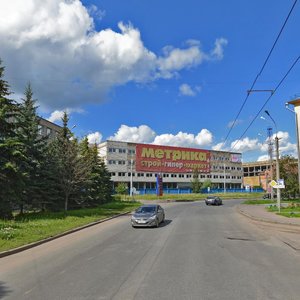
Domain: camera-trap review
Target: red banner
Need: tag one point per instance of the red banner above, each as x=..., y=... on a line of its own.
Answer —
x=154, y=158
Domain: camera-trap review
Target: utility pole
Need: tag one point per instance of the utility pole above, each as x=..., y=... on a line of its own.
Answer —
x=277, y=161
x=224, y=179
x=131, y=183
x=277, y=172
x=270, y=150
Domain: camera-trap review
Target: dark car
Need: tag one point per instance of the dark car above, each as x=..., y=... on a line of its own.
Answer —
x=213, y=200
x=268, y=196
x=150, y=215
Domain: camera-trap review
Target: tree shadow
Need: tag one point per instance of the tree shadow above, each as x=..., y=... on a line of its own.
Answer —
x=4, y=290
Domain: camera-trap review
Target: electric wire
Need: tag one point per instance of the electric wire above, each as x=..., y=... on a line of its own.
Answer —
x=268, y=99
x=260, y=72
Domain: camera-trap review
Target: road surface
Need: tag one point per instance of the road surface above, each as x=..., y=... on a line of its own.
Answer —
x=201, y=252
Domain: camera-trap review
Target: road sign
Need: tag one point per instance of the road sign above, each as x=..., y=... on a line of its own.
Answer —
x=277, y=185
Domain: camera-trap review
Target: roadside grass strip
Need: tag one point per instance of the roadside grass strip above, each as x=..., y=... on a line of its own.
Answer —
x=292, y=211
x=33, y=227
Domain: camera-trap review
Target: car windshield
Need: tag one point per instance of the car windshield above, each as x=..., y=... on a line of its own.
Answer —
x=146, y=209
x=211, y=197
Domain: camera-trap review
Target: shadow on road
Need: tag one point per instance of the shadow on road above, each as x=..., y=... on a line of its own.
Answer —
x=165, y=223
x=4, y=290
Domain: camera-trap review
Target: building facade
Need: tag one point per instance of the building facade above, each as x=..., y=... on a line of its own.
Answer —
x=142, y=163
x=47, y=128
x=258, y=174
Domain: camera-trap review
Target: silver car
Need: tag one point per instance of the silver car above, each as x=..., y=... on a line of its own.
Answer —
x=150, y=215
x=213, y=200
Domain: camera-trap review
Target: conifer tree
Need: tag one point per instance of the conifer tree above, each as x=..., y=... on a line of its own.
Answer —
x=10, y=151
x=33, y=148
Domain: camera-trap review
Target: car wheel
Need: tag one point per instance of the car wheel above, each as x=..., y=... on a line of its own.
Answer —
x=163, y=219
x=156, y=223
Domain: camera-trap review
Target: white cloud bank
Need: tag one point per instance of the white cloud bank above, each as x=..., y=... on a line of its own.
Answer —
x=94, y=138
x=54, y=44
x=144, y=134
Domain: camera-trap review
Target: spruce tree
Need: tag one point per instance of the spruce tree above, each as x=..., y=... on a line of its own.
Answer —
x=33, y=149
x=10, y=151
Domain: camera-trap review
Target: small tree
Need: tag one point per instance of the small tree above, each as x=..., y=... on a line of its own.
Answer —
x=122, y=189
x=196, y=184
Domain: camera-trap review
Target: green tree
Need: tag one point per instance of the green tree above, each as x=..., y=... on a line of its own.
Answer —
x=206, y=184
x=73, y=171
x=288, y=167
x=196, y=184
x=122, y=189
x=10, y=151
x=33, y=149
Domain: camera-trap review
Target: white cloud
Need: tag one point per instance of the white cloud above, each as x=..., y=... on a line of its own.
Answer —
x=246, y=144
x=183, y=139
x=144, y=134
x=218, y=51
x=54, y=45
x=234, y=123
x=187, y=90
x=95, y=138
x=57, y=115
x=141, y=134
x=264, y=157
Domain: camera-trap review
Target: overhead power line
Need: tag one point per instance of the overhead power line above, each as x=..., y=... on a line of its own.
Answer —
x=260, y=72
x=268, y=99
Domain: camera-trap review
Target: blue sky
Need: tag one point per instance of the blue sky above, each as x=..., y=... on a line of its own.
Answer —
x=164, y=72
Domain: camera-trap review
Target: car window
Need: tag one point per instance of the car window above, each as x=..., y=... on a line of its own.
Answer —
x=146, y=209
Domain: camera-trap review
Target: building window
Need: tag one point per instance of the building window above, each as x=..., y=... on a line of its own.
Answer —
x=112, y=162
x=221, y=176
x=121, y=174
x=121, y=162
x=216, y=176
x=140, y=174
x=208, y=176
x=113, y=174
x=188, y=176
x=202, y=176
x=148, y=174
x=227, y=177
x=48, y=131
x=122, y=150
x=173, y=175
x=181, y=175
x=129, y=174
x=111, y=150
x=131, y=151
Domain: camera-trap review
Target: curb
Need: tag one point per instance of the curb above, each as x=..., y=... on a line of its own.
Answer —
x=35, y=244
x=239, y=209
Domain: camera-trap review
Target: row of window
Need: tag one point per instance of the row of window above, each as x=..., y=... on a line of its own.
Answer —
x=216, y=167
x=121, y=150
x=123, y=174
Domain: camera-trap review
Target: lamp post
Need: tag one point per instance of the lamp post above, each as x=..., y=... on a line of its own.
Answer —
x=131, y=183
x=277, y=161
x=296, y=111
x=224, y=179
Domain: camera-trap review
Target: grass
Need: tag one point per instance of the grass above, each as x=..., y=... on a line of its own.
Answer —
x=255, y=202
x=195, y=197
x=33, y=227
x=291, y=211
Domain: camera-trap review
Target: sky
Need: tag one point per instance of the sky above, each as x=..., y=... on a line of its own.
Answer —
x=165, y=72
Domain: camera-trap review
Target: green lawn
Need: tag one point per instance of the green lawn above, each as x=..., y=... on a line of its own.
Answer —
x=33, y=227
x=292, y=211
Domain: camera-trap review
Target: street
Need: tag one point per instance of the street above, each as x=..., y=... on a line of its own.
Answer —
x=200, y=252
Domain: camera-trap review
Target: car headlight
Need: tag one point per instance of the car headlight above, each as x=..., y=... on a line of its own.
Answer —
x=152, y=217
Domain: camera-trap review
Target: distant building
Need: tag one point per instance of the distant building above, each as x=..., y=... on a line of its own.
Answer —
x=47, y=128
x=257, y=174
x=175, y=165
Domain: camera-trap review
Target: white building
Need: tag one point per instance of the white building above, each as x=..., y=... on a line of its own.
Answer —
x=175, y=164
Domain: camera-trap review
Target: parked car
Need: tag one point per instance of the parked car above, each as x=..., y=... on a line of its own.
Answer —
x=150, y=215
x=268, y=196
x=213, y=200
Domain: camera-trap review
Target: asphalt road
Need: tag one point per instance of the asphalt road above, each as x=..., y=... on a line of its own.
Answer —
x=199, y=253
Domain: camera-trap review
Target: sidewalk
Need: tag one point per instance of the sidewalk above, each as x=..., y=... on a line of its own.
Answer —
x=259, y=213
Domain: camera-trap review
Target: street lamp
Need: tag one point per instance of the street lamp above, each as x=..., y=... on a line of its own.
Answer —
x=296, y=111
x=277, y=160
